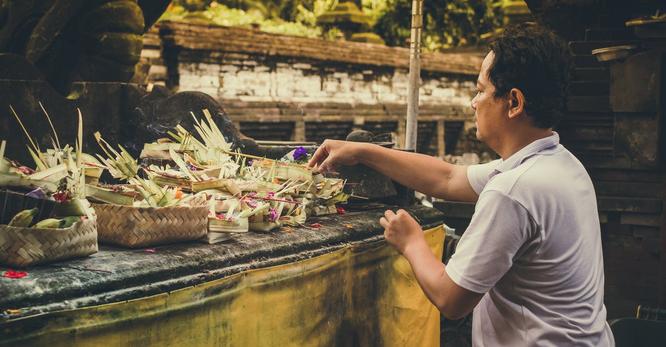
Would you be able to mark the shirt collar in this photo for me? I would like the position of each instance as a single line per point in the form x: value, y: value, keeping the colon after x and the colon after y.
x: 526, y: 152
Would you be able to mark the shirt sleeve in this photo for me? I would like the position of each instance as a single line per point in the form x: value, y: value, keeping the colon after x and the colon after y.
x: 486, y: 251
x: 478, y: 175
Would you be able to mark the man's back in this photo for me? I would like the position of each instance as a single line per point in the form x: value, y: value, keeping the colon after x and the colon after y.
x: 538, y: 222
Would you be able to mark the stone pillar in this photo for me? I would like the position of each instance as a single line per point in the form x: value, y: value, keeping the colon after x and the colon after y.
x: 299, y: 131
x: 359, y: 121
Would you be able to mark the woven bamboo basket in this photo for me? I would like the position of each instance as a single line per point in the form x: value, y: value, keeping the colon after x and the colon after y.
x: 137, y: 227
x: 12, y: 203
x: 21, y: 247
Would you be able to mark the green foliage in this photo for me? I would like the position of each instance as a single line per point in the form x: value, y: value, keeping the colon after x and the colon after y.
x: 446, y: 23
x: 288, y: 17
x: 192, y: 5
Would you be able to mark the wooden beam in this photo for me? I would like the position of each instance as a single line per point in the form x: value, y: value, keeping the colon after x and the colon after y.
x: 278, y: 119
x: 441, y: 141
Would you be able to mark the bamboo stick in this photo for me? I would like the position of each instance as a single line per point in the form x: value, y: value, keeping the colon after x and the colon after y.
x: 414, y: 75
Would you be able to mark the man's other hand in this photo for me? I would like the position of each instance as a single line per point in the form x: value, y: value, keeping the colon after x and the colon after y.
x: 401, y: 230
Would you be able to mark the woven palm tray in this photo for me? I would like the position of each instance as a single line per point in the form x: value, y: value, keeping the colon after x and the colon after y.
x: 21, y: 247
x: 137, y: 227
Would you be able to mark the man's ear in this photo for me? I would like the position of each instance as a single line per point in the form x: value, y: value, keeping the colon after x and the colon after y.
x: 516, y: 103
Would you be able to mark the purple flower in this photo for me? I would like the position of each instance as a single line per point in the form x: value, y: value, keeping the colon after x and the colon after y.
x: 251, y: 203
x: 272, y: 215
x: 300, y: 153
x: 37, y: 194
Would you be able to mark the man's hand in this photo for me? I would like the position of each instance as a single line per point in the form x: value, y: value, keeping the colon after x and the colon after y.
x: 406, y: 235
x: 401, y: 230
x: 334, y: 153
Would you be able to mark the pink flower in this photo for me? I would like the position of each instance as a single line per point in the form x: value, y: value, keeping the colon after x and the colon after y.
x: 272, y: 215
x: 61, y: 196
x: 25, y: 170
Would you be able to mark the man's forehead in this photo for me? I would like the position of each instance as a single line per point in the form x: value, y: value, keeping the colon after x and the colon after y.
x: 487, y: 61
x: 485, y: 66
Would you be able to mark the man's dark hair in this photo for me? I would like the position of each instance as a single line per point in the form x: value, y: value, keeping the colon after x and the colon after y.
x: 536, y: 61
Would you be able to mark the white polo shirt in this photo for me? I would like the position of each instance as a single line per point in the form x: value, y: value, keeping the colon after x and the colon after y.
x: 534, y: 248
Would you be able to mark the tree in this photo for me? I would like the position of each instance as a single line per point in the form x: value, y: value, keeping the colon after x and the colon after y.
x: 447, y: 23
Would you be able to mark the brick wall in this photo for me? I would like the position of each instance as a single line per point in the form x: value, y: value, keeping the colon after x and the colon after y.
x: 255, y: 78
x: 267, y: 78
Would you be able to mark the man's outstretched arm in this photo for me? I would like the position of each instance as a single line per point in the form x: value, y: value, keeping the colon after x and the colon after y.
x: 404, y: 233
x: 420, y: 172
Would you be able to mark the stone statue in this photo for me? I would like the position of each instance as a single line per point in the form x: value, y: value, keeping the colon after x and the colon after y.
x: 76, y: 40
x: 69, y: 54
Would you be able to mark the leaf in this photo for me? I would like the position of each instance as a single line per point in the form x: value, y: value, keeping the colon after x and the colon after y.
x: 182, y: 165
x: 55, y: 134
x: 35, y: 147
x: 38, y: 161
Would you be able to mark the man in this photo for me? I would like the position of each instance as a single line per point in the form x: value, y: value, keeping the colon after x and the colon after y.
x: 530, y: 263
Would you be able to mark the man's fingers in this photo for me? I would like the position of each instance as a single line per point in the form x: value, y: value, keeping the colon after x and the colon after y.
x: 403, y: 214
x: 327, y: 165
x: 383, y: 222
x: 389, y: 215
x: 320, y: 155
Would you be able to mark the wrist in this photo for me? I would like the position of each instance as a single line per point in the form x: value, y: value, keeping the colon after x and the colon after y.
x: 364, y: 151
x: 415, y: 248
x: 361, y: 152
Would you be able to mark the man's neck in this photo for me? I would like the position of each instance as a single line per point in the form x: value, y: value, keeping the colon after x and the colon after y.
x: 513, y: 144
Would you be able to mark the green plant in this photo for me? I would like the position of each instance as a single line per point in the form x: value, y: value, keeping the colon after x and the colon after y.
x: 446, y: 24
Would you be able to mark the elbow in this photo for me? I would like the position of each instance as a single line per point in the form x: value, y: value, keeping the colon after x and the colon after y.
x: 452, y: 315
x: 452, y: 312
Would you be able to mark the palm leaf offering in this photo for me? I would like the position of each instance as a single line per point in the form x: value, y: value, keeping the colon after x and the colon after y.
x: 242, y: 192
x: 245, y: 192
x: 122, y: 165
x: 59, y: 176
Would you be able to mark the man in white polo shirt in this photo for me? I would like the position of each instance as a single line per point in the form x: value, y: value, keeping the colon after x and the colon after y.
x: 530, y: 263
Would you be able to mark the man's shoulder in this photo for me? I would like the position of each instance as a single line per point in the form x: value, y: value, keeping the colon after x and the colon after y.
x: 540, y: 173
x: 507, y: 182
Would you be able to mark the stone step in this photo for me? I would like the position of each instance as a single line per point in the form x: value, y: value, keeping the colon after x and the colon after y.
x: 591, y: 74
x: 586, y: 47
x: 609, y: 34
x: 598, y: 104
x: 586, y: 61
x: 589, y: 88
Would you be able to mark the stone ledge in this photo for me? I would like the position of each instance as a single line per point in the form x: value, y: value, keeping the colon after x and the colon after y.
x: 331, y: 111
